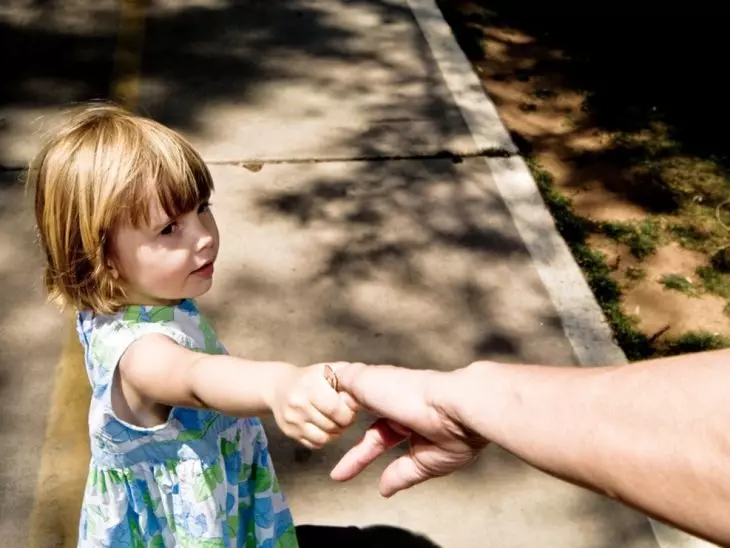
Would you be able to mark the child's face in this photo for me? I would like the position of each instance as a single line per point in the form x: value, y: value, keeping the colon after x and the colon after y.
x: 169, y: 260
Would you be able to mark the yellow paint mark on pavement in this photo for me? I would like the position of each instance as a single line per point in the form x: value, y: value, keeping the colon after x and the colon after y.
x: 128, y: 55
x: 65, y: 458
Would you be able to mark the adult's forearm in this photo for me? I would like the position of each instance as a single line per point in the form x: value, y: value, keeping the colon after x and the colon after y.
x: 655, y: 435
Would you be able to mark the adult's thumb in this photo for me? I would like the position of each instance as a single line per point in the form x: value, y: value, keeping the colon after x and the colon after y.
x: 389, y: 391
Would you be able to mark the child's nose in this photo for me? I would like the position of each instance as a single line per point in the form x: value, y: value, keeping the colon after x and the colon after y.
x: 204, y: 237
x: 205, y: 241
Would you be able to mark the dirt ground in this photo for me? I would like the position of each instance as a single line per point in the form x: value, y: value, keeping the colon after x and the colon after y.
x: 658, y: 272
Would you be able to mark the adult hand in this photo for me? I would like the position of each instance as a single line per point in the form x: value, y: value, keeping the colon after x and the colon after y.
x: 414, y: 405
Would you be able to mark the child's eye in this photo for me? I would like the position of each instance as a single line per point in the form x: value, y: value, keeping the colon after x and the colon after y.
x: 169, y: 229
x: 205, y: 206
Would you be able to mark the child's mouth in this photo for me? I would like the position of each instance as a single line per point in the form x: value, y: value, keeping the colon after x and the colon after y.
x: 205, y: 271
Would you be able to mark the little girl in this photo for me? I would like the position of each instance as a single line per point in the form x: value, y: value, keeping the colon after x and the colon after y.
x: 178, y: 457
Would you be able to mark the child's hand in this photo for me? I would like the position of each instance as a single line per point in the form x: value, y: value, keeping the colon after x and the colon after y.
x: 307, y: 407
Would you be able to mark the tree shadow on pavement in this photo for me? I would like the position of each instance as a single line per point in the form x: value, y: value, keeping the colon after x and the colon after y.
x: 430, y: 231
x: 60, y: 55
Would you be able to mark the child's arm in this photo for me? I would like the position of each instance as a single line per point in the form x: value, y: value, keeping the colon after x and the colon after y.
x: 156, y: 370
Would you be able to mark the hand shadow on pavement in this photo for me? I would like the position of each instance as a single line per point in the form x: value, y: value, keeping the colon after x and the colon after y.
x: 380, y: 536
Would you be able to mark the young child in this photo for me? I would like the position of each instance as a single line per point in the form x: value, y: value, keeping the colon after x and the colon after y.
x: 178, y: 457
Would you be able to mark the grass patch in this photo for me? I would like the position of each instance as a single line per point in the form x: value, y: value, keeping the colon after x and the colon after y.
x: 698, y: 230
x: 677, y: 282
x: 634, y: 343
x: 636, y: 273
x: 714, y: 282
x: 726, y: 310
x: 575, y: 230
x: 641, y: 238
x: 695, y: 341
x: 689, y: 236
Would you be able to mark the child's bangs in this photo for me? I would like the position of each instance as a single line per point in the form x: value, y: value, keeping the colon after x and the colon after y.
x: 173, y: 176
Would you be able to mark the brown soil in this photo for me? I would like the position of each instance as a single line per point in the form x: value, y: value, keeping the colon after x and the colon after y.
x: 662, y: 311
x: 550, y: 119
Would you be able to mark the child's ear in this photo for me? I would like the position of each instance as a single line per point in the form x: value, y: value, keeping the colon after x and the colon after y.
x: 112, y: 268
x: 107, y: 256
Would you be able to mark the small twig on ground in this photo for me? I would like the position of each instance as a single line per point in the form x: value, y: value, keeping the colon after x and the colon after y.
x: 659, y: 333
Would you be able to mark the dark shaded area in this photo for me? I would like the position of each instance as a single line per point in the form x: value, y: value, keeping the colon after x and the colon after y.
x: 46, y: 65
x: 380, y: 536
x: 638, y: 62
x: 642, y: 68
x: 230, y: 47
x: 218, y: 47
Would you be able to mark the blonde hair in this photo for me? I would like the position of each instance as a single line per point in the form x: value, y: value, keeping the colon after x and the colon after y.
x: 102, y: 169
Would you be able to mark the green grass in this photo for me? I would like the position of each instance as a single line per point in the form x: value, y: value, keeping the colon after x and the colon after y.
x: 634, y: 343
x: 677, y: 282
x: 694, y: 341
x: 714, y: 282
x: 689, y: 235
x: 636, y: 273
x: 575, y: 230
x: 641, y: 238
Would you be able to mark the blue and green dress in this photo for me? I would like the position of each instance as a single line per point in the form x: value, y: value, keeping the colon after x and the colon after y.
x: 200, y: 479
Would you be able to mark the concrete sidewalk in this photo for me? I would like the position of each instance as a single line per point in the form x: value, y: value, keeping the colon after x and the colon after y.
x: 359, y: 221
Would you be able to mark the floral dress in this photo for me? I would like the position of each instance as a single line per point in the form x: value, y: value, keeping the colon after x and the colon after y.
x: 200, y: 479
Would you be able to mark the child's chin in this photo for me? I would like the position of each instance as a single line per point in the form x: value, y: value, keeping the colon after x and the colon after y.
x: 201, y: 290
x: 190, y: 293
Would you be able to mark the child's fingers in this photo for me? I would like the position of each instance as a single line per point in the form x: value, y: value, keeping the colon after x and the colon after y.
x: 314, y: 436
x: 308, y: 445
x: 333, y: 406
x: 320, y: 421
x: 338, y: 407
x: 350, y: 402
